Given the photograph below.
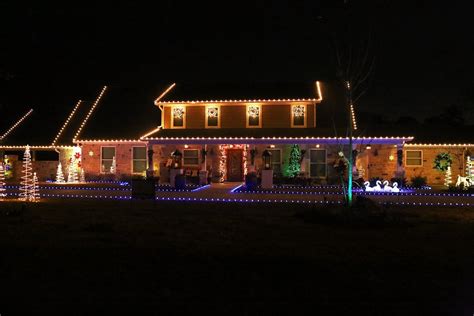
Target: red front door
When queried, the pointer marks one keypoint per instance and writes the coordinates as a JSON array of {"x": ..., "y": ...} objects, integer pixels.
[{"x": 234, "y": 165}]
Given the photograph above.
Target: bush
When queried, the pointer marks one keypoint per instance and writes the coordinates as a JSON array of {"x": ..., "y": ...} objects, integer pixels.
[
  {"x": 251, "y": 181},
  {"x": 402, "y": 182},
  {"x": 418, "y": 181}
]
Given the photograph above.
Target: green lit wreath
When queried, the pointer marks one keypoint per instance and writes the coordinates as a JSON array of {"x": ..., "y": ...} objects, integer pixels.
[{"x": 442, "y": 162}]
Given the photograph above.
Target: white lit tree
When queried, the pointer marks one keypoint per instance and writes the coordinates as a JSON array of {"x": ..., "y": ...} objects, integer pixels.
[
  {"x": 72, "y": 173},
  {"x": 27, "y": 177},
  {"x": 82, "y": 178},
  {"x": 470, "y": 168},
  {"x": 60, "y": 174},
  {"x": 113, "y": 167},
  {"x": 447, "y": 177},
  {"x": 2, "y": 181},
  {"x": 34, "y": 193}
]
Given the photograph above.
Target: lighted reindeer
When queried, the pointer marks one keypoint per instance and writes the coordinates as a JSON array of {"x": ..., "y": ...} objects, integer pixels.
[{"x": 465, "y": 181}]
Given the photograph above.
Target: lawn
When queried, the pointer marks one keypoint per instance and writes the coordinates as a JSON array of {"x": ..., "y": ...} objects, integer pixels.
[{"x": 75, "y": 257}]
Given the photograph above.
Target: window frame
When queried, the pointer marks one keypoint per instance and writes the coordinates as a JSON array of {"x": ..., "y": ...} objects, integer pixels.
[
  {"x": 133, "y": 159},
  {"x": 172, "y": 117},
  {"x": 313, "y": 163},
  {"x": 414, "y": 150},
  {"x": 102, "y": 159},
  {"x": 218, "y": 116},
  {"x": 274, "y": 163},
  {"x": 293, "y": 116},
  {"x": 259, "y": 116},
  {"x": 191, "y": 165}
]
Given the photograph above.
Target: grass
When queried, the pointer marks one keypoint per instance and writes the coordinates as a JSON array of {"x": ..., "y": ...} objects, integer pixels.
[{"x": 81, "y": 257}]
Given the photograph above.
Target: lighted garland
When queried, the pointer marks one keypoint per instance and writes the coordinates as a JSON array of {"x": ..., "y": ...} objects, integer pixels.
[{"x": 442, "y": 162}]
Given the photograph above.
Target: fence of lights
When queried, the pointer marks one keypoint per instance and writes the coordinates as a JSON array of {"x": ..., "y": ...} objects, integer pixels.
[
  {"x": 16, "y": 124},
  {"x": 90, "y": 112},
  {"x": 66, "y": 122}
]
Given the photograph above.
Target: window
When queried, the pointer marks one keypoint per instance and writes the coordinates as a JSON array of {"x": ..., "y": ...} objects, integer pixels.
[
  {"x": 178, "y": 116},
  {"x": 106, "y": 159},
  {"x": 414, "y": 158},
  {"x": 138, "y": 159},
  {"x": 254, "y": 117},
  {"x": 212, "y": 116},
  {"x": 191, "y": 157},
  {"x": 276, "y": 160},
  {"x": 298, "y": 116},
  {"x": 317, "y": 163}
]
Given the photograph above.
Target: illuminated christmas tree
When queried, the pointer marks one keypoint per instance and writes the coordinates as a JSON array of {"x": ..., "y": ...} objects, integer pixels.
[
  {"x": 60, "y": 174},
  {"x": 470, "y": 168},
  {"x": 27, "y": 177},
  {"x": 113, "y": 167},
  {"x": 2, "y": 182},
  {"x": 294, "y": 165},
  {"x": 72, "y": 173},
  {"x": 447, "y": 177},
  {"x": 82, "y": 176},
  {"x": 34, "y": 193}
]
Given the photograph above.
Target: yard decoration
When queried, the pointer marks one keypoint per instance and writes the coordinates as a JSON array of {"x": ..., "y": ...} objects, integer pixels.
[
  {"x": 294, "y": 166},
  {"x": 34, "y": 195},
  {"x": 27, "y": 177},
  {"x": 72, "y": 173},
  {"x": 470, "y": 168},
  {"x": 113, "y": 167},
  {"x": 447, "y": 177},
  {"x": 60, "y": 174},
  {"x": 2, "y": 181},
  {"x": 464, "y": 182},
  {"x": 82, "y": 176},
  {"x": 442, "y": 162}
]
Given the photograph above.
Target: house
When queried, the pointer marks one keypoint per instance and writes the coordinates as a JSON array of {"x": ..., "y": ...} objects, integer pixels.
[
  {"x": 226, "y": 136},
  {"x": 223, "y": 130}
]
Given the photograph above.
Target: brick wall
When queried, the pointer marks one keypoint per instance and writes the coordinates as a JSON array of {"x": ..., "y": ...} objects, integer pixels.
[
  {"x": 123, "y": 156},
  {"x": 435, "y": 177}
]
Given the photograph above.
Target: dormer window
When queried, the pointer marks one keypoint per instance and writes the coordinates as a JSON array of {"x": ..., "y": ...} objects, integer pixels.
[
  {"x": 298, "y": 115},
  {"x": 254, "y": 117},
  {"x": 178, "y": 116},
  {"x": 213, "y": 117}
]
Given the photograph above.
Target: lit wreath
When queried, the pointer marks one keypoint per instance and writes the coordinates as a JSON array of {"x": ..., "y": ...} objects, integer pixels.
[
  {"x": 442, "y": 162},
  {"x": 298, "y": 110}
]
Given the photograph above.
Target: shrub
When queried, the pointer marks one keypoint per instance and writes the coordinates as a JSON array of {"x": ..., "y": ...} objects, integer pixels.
[
  {"x": 402, "y": 182},
  {"x": 418, "y": 181},
  {"x": 251, "y": 181}
]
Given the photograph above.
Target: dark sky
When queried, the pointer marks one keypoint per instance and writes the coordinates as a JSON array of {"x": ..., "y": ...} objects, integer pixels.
[{"x": 51, "y": 55}]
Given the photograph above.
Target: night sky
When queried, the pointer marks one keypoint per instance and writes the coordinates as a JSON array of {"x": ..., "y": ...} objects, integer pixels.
[{"x": 53, "y": 55}]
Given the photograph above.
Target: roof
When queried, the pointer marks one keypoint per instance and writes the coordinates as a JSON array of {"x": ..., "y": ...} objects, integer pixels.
[
  {"x": 221, "y": 92},
  {"x": 274, "y": 135}
]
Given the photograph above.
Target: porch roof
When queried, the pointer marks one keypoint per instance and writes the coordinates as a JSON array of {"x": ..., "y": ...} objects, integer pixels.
[{"x": 264, "y": 136}]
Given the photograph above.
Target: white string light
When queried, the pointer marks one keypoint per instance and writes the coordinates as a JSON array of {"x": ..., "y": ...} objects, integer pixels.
[
  {"x": 89, "y": 114},
  {"x": 16, "y": 124},
  {"x": 66, "y": 123}
]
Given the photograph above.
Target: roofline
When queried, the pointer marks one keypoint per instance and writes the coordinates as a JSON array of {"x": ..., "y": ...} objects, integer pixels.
[
  {"x": 202, "y": 102},
  {"x": 439, "y": 145},
  {"x": 16, "y": 124},
  {"x": 35, "y": 147},
  {"x": 86, "y": 141},
  {"x": 278, "y": 140}
]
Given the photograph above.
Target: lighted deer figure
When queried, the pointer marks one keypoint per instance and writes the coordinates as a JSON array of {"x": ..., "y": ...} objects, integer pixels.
[{"x": 465, "y": 181}]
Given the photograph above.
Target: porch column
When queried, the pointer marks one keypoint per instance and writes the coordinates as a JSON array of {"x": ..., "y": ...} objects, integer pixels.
[
  {"x": 400, "y": 173},
  {"x": 149, "y": 171}
]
